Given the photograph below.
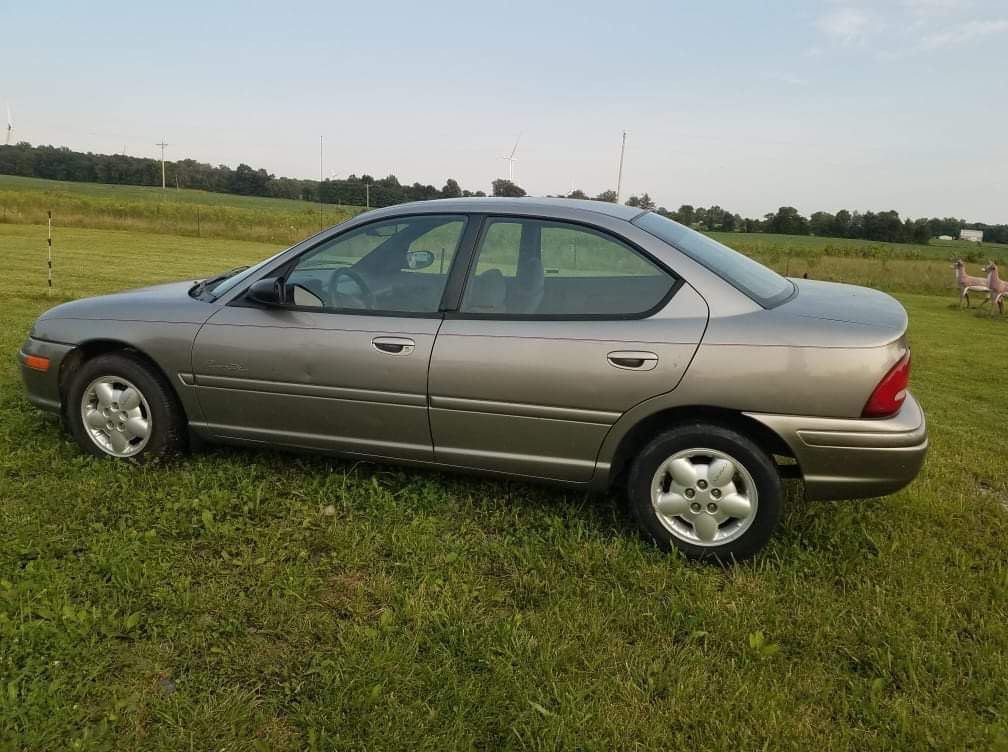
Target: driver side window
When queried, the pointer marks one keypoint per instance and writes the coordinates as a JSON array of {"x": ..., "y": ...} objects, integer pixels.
[{"x": 399, "y": 265}]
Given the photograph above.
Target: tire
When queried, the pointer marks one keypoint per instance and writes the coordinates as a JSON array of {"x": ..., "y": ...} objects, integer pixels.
[
  {"x": 145, "y": 426},
  {"x": 701, "y": 510}
]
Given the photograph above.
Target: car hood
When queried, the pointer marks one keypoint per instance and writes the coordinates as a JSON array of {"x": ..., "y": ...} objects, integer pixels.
[
  {"x": 160, "y": 303},
  {"x": 820, "y": 314}
]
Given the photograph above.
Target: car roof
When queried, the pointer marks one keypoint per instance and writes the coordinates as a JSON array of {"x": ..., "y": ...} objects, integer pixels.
[{"x": 523, "y": 205}]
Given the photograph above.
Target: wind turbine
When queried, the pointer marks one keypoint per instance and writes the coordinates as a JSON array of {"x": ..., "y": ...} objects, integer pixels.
[
  {"x": 510, "y": 159},
  {"x": 10, "y": 125}
]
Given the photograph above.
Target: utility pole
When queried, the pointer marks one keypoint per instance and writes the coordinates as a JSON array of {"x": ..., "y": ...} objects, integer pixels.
[
  {"x": 320, "y": 174},
  {"x": 619, "y": 177},
  {"x": 162, "y": 145}
]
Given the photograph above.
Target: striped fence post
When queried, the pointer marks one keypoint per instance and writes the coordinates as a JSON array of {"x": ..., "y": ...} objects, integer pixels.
[{"x": 49, "y": 292}]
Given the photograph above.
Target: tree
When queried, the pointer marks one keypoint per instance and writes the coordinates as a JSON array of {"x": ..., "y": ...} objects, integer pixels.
[
  {"x": 787, "y": 221},
  {"x": 700, "y": 219},
  {"x": 718, "y": 219},
  {"x": 686, "y": 215},
  {"x": 646, "y": 202},
  {"x": 248, "y": 182},
  {"x": 577, "y": 193},
  {"x": 633, "y": 201},
  {"x": 451, "y": 189},
  {"x": 608, "y": 196},
  {"x": 821, "y": 223},
  {"x": 841, "y": 224},
  {"x": 502, "y": 187}
]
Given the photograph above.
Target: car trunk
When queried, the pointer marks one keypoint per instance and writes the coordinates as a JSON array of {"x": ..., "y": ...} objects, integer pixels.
[
  {"x": 848, "y": 304},
  {"x": 822, "y": 352}
]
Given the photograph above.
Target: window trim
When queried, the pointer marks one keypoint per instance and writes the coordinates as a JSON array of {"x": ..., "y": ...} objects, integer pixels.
[
  {"x": 241, "y": 300},
  {"x": 487, "y": 220}
]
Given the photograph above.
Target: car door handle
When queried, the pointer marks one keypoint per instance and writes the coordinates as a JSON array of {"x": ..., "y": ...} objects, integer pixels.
[
  {"x": 632, "y": 360},
  {"x": 393, "y": 345}
]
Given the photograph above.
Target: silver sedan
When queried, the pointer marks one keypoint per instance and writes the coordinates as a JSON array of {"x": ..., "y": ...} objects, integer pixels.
[{"x": 576, "y": 342}]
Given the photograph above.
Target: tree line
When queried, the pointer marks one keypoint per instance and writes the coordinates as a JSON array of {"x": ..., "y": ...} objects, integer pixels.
[
  {"x": 884, "y": 226},
  {"x": 62, "y": 163}
]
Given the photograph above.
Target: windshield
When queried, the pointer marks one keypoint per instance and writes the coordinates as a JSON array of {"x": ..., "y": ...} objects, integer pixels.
[
  {"x": 763, "y": 285},
  {"x": 227, "y": 283}
]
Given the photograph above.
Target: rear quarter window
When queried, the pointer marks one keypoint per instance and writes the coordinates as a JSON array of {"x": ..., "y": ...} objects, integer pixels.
[{"x": 750, "y": 277}]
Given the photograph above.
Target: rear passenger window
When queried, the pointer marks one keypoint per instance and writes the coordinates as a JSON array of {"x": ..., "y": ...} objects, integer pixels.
[{"x": 537, "y": 268}]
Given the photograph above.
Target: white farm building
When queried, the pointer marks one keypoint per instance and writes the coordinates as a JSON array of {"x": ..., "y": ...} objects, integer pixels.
[{"x": 974, "y": 236}]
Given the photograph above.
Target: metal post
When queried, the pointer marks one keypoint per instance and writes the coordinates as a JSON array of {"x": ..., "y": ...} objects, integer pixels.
[
  {"x": 320, "y": 225},
  {"x": 619, "y": 178},
  {"x": 162, "y": 145},
  {"x": 50, "y": 253}
]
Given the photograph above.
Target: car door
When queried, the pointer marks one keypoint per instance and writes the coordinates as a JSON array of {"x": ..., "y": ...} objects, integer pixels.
[
  {"x": 344, "y": 366},
  {"x": 561, "y": 329}
]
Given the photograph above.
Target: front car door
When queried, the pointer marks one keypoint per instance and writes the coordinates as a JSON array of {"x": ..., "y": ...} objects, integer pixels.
[
  {"x": 562, "y": 328},
  {"x": 344, "y": 367}
]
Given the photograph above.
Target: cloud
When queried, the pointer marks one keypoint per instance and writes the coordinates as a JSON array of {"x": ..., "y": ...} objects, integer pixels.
[
  {"x": 846, "y": 24},
  {"x": 965, "y": 32},
  {"x": 922, "y": 9},
  {"x": 911, "y": 26}
]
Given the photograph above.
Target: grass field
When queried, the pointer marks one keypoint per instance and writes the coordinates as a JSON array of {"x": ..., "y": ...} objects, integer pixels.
[
  {"x": 251, "y": 600},
  {"x": 173, "y": 212},
  {"x": 148, "y": 194},
  {"x": 806, "y": 247}
]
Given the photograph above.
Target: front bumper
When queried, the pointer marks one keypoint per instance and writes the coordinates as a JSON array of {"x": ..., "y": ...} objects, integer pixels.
[
  {"x": 43, "y": 386},
  {"x": 842, "y": 458}
]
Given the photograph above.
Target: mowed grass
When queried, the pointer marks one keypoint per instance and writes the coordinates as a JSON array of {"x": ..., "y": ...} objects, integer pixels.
[{"x": 254, "y": 600}]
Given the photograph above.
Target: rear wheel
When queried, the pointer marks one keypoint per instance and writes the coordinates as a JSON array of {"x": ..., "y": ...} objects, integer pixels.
[
  {"x": 707, "y": 491},
  {"x": 118, "y": 406}
]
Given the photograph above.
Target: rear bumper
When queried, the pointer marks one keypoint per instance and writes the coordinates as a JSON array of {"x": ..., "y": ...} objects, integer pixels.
[
  {"x": 843, "y": 458},
  {"x": 43, "y": 386}
]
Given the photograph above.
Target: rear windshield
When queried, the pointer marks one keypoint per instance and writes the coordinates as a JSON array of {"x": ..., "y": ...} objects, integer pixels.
[{"x": 763, "y": 285}]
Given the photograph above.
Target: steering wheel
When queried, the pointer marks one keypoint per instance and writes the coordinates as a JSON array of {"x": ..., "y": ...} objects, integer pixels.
[{"x": 366, "y": 297}]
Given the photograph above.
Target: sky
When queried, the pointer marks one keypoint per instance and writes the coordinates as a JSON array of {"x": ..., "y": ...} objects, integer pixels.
[{"x": 891, "y": 104}]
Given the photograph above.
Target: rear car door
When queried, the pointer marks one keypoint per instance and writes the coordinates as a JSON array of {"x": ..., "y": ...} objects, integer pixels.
[
  {"x": 344, "y": 367},
  {"x": 561, "y": 329}
]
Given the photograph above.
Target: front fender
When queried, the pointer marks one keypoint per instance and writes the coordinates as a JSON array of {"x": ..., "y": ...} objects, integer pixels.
[{"x": 166, "y": 344}]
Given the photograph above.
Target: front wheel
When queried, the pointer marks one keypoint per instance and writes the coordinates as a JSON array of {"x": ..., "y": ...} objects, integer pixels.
[
  {"x": 707, "y": 491},
  {"x": 118, "y": 406}
]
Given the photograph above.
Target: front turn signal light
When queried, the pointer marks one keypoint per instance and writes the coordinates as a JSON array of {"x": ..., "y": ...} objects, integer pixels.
[{"x": 37, "y": 363}]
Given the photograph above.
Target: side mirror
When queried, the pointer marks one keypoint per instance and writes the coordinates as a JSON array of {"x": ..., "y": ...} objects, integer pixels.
[
  {"x": 419, "y": 259},
  {"x": 268, "y": 292}
]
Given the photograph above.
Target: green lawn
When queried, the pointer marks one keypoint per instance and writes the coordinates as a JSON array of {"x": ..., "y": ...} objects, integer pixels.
[
  {"x": 28, "y": 201},
  {"x": 148, "y": 194},
  {"x": 253, "y": 600}
]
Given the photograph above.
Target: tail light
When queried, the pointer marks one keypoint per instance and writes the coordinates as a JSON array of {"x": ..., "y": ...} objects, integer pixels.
[{"x": 888, "y": 396}]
